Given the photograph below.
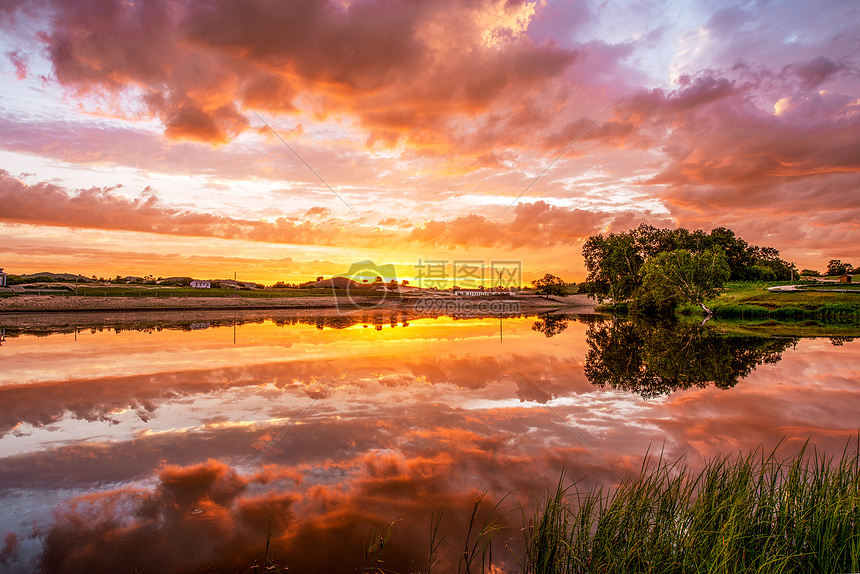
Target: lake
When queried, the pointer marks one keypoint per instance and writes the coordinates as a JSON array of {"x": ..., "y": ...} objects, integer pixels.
[{"x": 172, "y": 445}]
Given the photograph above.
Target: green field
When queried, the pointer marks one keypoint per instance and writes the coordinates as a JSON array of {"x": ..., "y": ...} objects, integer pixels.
[{"x": 753, "y": 300}]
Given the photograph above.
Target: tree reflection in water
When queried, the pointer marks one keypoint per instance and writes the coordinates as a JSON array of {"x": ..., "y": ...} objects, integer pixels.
[
  {"x": 653, "y": 358},
  {"x": 551, "y": 325}
]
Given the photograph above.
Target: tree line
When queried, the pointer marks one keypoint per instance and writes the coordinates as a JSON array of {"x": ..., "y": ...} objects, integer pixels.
[
  {"x": 656, "y": 269},
  {"x": 835, "y": 267}
]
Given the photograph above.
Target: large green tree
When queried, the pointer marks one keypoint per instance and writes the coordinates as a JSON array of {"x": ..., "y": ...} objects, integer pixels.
[
  {"x": 615, "y": 260},
  {"x": 685, "y": 276}
]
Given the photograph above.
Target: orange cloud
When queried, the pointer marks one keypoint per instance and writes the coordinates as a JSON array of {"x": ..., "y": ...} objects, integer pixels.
[
  {"x": 191, "y": 63},
  {"x": 100, "y": 208},
  {"x": 535, "y": 225}
]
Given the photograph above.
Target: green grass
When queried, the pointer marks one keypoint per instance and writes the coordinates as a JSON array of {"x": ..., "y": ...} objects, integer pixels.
[
  {"x": 740, "y": 514},
  {"x": 752, "y": 300}
]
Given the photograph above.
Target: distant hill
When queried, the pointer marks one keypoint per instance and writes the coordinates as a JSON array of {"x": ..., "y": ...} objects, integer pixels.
[
  {"x": 336, "y": 282},
  {"x": 56, "y": 277},
  {"x": 233, "y": 284}
]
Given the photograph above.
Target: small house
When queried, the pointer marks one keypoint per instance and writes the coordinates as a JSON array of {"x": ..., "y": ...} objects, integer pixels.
[
  {"x": 845, "y": 279},
  {"x": 200, "y": 284}
]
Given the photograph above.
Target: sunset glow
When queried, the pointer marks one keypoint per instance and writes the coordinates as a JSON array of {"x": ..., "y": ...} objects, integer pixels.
[{"x": 285, "y": 140}]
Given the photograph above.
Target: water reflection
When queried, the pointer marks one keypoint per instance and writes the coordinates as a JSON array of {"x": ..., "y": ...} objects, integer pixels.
[
  {"x": 653, "y": 358},
  {"x": 551, "y": 325},
  {"x": 133, "y": 445},
  {"x": 47, "y": 324}
]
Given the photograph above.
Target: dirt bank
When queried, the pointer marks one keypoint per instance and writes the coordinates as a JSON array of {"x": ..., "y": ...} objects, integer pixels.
[
  {"x": 65, "y": 304},
  {"x": 34, "y": 311}
]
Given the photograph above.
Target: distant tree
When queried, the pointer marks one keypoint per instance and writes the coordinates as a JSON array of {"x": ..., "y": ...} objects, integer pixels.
[
  {"x": 279, "y": 285},
  {"x": 810, "y": 273},
  {"x": 685, "y": 276},
  {"x": 836, "y": 267},
  {"x": 550, "y": 285}
]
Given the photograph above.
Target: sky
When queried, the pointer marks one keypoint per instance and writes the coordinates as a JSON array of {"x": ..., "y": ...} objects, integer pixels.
[{"x": 282, "y": 140}]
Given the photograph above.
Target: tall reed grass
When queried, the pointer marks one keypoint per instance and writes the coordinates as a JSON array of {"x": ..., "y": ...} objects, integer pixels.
[{"x": 750, "y": 513}]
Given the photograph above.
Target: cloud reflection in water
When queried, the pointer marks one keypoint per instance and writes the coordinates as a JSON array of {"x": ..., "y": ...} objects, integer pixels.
[{"x": 147, "y": 469}]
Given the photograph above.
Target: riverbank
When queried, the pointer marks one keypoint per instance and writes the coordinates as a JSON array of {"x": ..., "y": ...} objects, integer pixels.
[
  {"x": 773, "y": 301},
  {"x": 779, "y": 302},
  {"x": 35, "y": 311}
]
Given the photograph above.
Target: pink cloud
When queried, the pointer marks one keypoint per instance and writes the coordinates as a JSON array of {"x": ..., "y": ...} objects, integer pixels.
[
  {"x": 194, "y": 63},
  {"x": 99, "y": 208},
  {"x": 18, "y": 60},
  {"x": 535, "y": 224}
]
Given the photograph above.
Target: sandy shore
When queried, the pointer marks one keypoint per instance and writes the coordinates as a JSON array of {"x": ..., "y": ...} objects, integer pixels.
[{"x": 35, "y": 311}]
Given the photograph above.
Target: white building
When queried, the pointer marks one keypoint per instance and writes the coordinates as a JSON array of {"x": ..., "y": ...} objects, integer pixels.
[{"x": 200, "y": 284}]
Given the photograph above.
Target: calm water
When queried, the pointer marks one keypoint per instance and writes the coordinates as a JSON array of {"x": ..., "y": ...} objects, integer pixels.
[{"x": 169, "y": 447}]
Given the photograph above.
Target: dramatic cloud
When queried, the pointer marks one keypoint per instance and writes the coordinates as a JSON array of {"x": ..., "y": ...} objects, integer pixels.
[
  {"x": 197, "y": 65},
  {"x": 757, "y": 152},
  {"x": 535, "y": 225},
  {"x": 101, "y": 208}
]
